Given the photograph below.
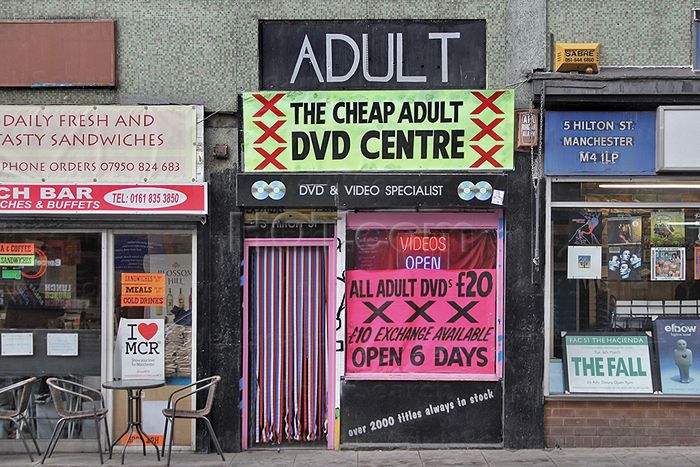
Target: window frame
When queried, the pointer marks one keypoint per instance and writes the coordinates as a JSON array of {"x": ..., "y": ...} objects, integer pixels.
[
  {"x": 549, "y": 274},
  {"x": 694, "y": 22},
  {"x": 493, "y": 219},
  {"x": 108, "y": 339}
]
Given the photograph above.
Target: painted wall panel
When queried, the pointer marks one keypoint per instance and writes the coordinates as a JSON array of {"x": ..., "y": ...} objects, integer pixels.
[{"x": 58, "y": 53}]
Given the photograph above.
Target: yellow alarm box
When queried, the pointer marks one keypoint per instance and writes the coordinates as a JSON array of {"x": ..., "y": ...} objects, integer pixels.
[{"x": 577, "y": 57}]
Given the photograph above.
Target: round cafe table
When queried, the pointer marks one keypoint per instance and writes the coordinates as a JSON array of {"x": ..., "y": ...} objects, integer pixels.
[{"x": 134, "y": 388}]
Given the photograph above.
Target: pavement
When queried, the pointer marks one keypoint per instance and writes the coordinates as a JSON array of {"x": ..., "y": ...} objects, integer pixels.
[{"x": 574, "y": 457}]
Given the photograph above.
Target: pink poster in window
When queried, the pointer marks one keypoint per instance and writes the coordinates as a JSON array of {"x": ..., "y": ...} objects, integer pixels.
[{"x": 421, "y": 321}]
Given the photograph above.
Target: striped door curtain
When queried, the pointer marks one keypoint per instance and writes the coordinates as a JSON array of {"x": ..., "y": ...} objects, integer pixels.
[{"x": 288, "y": 306}]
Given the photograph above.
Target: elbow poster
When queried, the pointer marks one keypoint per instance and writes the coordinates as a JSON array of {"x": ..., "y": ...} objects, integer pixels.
[
  {"x": 676, "y": 341},
  {"x": 416, "y": 322}
]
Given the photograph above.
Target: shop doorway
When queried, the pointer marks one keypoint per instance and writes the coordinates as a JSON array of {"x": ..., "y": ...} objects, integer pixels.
[
  {"x": 173, "y": 255},
  {"x": 288, "y": 295}
]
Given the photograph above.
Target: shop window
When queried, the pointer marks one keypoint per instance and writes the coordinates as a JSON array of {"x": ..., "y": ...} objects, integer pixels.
[
  {"x": 423, "y": 296},
  {"x": 147, "y": 254},
  {"x": 423, "y": 249},
  {"x": 50, "y": 318},
  {"x": 622, "y": 256}
]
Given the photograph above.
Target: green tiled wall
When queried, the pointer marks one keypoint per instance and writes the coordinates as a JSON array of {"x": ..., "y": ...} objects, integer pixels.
[
  {"x": 205, "y": 51},
  {"x": 631, "y": 33}
]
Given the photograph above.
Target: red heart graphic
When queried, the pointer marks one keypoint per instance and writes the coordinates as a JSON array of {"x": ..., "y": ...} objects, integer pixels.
[{"x": 148, "y": 330}]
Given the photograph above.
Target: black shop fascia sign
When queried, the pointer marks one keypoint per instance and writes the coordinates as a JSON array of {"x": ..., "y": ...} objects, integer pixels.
[
  {"x": 368, "y": 191},
  {"x": 372, "y": 54}
]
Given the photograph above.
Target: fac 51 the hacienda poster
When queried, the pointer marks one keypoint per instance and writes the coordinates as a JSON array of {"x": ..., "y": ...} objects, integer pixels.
[{"x": 607, "y": 363}]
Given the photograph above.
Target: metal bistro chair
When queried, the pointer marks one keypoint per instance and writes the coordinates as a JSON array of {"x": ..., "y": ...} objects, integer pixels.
[
  {"x": 171, "y": 412},
  {"x": 61, "y": 389},
  {"x": 17, "y": 415}
]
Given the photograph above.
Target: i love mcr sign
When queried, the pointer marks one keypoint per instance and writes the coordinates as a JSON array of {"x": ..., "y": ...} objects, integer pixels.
[
  {"x": 140, "y": 349},
  {"x": 339, "y": 131}
]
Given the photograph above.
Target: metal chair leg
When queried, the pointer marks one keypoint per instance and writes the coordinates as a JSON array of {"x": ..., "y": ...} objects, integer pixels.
[
  {"x": 99, "y": 439},
  {"x": 170, "y": 444},
  {"x": 109, "y": 440},
  {"x": 165, "y": 436},
  {"x": 31, "y": 433},
  {"x": 214, "y": 438},
  {"x": 58, "y": 436},
  {"x": 56, "y": 430},
  {"x": 21, "y": 436}
]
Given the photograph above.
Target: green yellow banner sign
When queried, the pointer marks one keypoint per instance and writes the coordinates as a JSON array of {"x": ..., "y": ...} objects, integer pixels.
[
  {"x": 337, "y": 131},
  {"x": 16, "y": 260}
]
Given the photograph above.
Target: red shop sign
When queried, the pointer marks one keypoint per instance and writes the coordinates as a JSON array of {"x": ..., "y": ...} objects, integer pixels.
[{"x": 184, "y": 199}]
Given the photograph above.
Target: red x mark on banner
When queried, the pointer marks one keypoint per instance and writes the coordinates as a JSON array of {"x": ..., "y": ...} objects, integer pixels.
[
  {"x": 487, "y": 102},
  {"x": 486, "y": 156},
  {"x": 268, "y": 105},
  {"x": 270, "y": 158},
  {"x": 270, "y": 131},
  {"x": 487, "y": 129}
]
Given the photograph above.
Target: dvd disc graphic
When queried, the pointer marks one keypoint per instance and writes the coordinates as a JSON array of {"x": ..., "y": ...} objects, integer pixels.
[
  {"x": 484, "y": 190},
  {"x": 466, "y": 190},
  {"x": 260, "y": 190},
  {"x": 277, "y": 190}
]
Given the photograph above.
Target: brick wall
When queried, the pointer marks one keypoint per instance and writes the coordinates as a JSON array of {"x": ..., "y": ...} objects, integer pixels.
[{"x": 620, "y": 423}]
